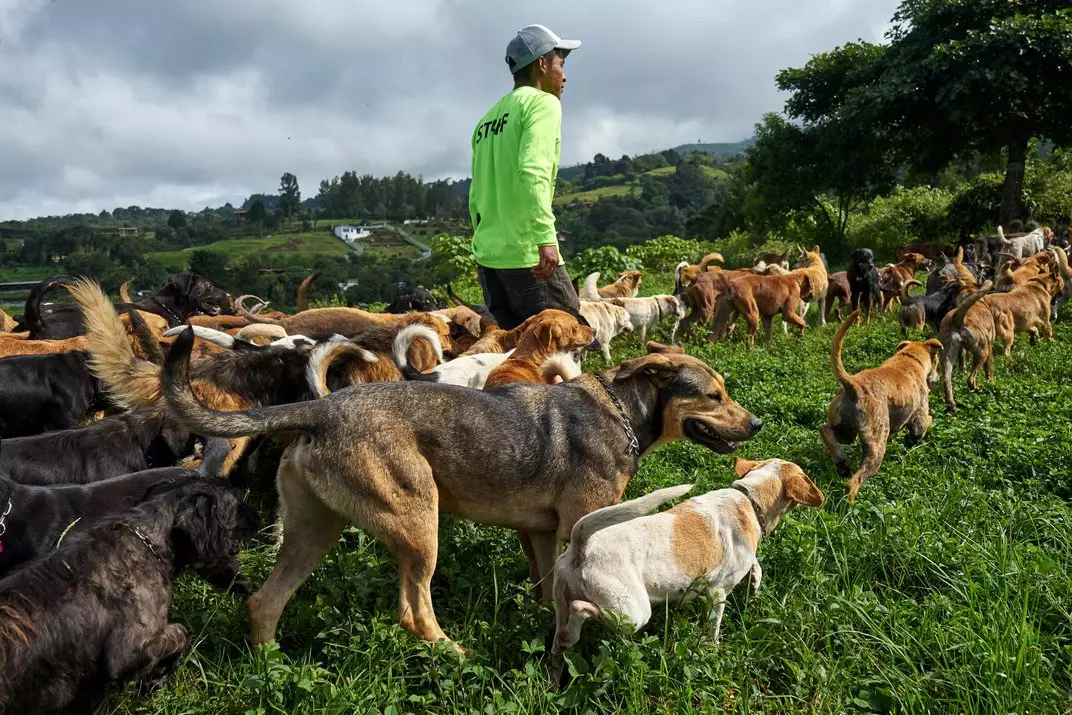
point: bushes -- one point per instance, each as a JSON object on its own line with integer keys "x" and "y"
{"x": 663, "y": 253}
{"x": 608, "y": 260}
{"x": 906, "y": 216}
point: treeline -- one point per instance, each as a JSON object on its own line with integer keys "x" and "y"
{"x": 395, "y": 198}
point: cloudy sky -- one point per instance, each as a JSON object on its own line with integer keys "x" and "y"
{"x": 188, "y": 103}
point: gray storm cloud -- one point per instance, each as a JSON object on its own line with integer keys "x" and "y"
{"x": 193, "y": 103}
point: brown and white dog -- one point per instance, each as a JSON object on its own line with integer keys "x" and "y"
{"x": 893, "y": 277}
{"x": 621, "y": 559}
{"x": 538, "y": 356}
{"x": 874, "y": 404}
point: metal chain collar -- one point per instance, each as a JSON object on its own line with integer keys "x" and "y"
{"x": 634, "y": 444}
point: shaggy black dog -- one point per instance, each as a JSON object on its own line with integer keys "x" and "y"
{"x": 131, "y": 442}
{"x": 95, "y": 610}
{"x": 39, "y": 393}
{"x": 863, "y": 282}
{"x": 183, "y": 295}
{"x": 35, "y": 518}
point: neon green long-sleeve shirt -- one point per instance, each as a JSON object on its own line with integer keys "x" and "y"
{"x": 516, "y": 149}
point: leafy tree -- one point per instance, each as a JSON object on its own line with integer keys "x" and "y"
{"x": 956, "y": 78}
{"x": 257, "y": 212}
{"x": 177, "y": 220}
{"x": 210, "y": 264}
{"x": 289, "y": 195}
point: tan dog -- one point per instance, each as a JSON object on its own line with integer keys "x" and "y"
{"x": 621, "y": 559}
{"x": 7, "y": 323}
{"x": 874, "y": 404}
{"x": 893, "y": 277}
{"x": 1016, "y": 272}
{"x": 1022, "y": 309}
{"x": 11, "y": 346}
{"x": 759, "y": 298}
{"x": 970, "y": 327}
{"x": 608, "y": 320}
{"x": 685, "y": 273}
{"x": 627, "y": 286}
{"x": 496, "y": 340}
{"x": 537, "y": 356}
{"x": 814, "y": 283}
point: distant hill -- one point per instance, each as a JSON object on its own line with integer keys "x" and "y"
{"x": 721, "y": 150}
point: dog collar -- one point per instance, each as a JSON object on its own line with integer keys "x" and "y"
{"x": 755, "y": 507}
{"x": 148, "y": 544}
{"x": 634, "y": 445}
{"x": 168, "y": 310}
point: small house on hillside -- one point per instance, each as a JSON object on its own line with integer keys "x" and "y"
{"x": 128, "y": 230}
{"x": 351, "y": 233}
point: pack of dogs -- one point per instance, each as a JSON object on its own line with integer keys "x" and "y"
{"x": 127, "y": 431}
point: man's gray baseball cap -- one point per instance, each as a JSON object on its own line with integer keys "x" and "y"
{"x": 534, "y": 42}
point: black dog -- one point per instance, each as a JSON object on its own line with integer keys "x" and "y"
{"x": 131, "y": 442}
{"x": 419, "y": 299}
{"x": 95, "y": 610}
{"x": 183, "y": 295}
{"x": 863, "y": 282}
{"x": 35, "y": 518}
{"x": 918, "y": 310}
{"x": 40, "y": 393}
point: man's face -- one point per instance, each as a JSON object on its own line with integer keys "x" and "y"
{"x": 551, "y": 76}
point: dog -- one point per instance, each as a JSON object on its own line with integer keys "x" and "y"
{"x": 1026, "y": 244}
{"x": 930, "y": 251}
{"x": 538, "y": 357}
{"x": 621, "y": 559}
{"x": 919, "y": 310}
{"x": 487, "y": 320}
{"x": 685, "y": 273}
{"x": 863, "y": 282}
{"x": 627, "y": 286}
{"x": 760, "y": 298}
{"x": 1024, "y": 308}
{"x": 893, "y": 277}
{"x": 419, "y": 299}
{"x": 814, "y": 283}
{"x": 7, "y": 323}
{"x": 419, "y": 448}
{"x": 608, "y": 319}
{"x": 147, "y": 438}
{"x": 36, "y": 517}
{"x": 95, "y": 611}
{"x": 876, "y": 403}
{"x": 648, "y": 313}
{"x": 469, "y": 370}
{"x": 41, "y": 393}
{"x": 837, "y": 289}
{"x": 969, "y": 327}
{"x": 183, "y": 295}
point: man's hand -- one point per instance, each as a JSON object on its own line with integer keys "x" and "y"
{"x": 548, "y": 263}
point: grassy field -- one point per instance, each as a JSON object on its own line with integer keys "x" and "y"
{"x": 310, "y": 245}
{"x": 624, "y": 188}
{"x": 946, "y": 587}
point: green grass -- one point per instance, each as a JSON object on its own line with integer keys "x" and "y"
{"x": 625, "y": 188}
{"x": 310, "y": 245}
{"x": 946, "y": 587}
{"x": 28, "y": 273}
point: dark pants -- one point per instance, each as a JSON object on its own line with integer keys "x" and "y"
{"x": 514, "y": 294}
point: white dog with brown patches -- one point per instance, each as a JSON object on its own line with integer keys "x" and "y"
{"x": 622, "y": 560}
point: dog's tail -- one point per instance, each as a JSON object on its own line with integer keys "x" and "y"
{"x": 1062, "y": 262}
{"x": 31, "y": 314}
{"x": 677, "y": 274}
{"x": 325, "y": 355}
{"x": 1001, "y": 236}
{"x": 303, "y": 291}
{"x": 253, "y": 317}
{"x": 840, "y": 373}
{"x": 619, "y": 513}
{"x": 210, "y": 335}
{"x": 405, "y": 339}
{"x": 203, "y": 420}
{"x": 130, "y": 381}
{"x": 590, "y": 289}
{"x": 261, "y": 330}
{"x": 957, "y": 321}
{"x": 559, "y": 365}
{"x": 124, "y": 292}
{"x": 147, "y": 342}
{"x": 905, "y": 287}
{"x": 713, "y": 257}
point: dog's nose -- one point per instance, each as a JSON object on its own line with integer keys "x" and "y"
{"x": 755, "y": 425}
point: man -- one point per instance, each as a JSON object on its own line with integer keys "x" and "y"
{"x": 516, "y": 148}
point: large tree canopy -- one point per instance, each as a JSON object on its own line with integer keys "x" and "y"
{"x": 956, "y": 77}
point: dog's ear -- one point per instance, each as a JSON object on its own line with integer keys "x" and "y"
{"x": 799, "y": 487}
{"x": 935, "y": 346}
{"x": 902, "y": 345}
{"x": 654, "y": 347}
{"x": 656, "y": 365}
{"x": 741, "y": 467}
